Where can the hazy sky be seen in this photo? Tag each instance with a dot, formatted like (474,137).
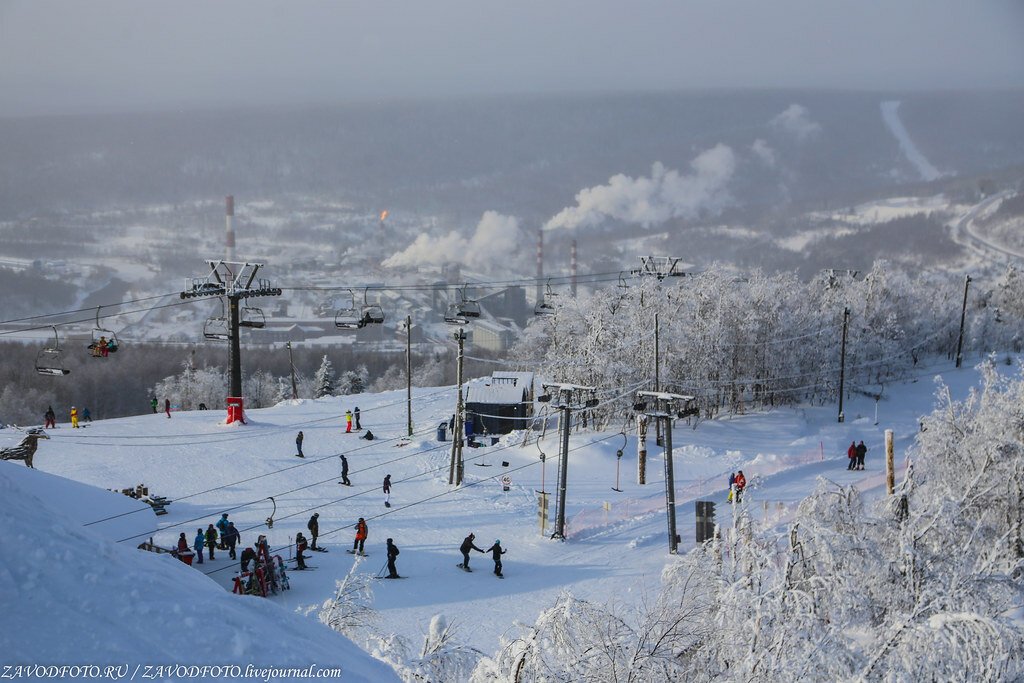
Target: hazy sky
(85,55)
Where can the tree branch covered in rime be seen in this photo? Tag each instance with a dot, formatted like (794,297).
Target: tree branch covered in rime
(922,585)
(761,341)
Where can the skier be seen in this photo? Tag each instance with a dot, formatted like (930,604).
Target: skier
(86,416)
(392,556)
(298,445)
(355,413)
(862,450)
(300,545)
(211,539)
(344,471)
(153,404)
(741,483)
(732,482)
(222,528)
(51,418)
(496,553)
(348,421)
(466,546)
(230,538)
(314,530)
(74,417)
(361,533)
(387,491)
(167,407)
(198,544)
(851,453)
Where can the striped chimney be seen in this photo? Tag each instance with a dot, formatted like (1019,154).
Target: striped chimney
(229,208)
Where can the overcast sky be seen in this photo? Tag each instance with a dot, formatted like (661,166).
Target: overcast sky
(87,55)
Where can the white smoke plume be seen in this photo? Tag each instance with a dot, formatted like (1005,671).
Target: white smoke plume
(495,238)
(665,195)
(796,121)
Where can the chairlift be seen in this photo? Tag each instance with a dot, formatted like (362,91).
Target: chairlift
(468,308)
(218,328)
(252,317)
(350,318)
(453,316)
(104,341)
(371,313)
(545,305)
(50,360)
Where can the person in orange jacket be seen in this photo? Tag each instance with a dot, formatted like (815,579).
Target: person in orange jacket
(741,483)
(851,453)
(361,533)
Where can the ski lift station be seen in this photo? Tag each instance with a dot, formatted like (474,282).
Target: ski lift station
(500,403)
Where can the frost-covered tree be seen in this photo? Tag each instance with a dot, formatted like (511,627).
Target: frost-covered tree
(324,379)
(193,386)
(353,381)
(260,389)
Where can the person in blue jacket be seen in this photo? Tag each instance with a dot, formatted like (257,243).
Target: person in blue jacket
(198,545)
(222,527)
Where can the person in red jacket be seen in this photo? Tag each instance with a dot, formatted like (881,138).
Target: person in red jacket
(851,453)
(741,483)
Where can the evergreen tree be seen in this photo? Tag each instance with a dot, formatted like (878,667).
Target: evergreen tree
(324,379)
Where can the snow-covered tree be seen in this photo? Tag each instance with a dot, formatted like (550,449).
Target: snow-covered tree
(324,379)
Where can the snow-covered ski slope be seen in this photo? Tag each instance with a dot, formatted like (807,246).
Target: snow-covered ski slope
(617,543)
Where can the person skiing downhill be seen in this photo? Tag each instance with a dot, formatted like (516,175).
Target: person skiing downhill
(392,556)
(467,545)
(344,471)
(496,553)
(851,453)
(348,421)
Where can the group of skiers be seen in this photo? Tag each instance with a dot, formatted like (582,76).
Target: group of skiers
(222,536)
(154,404)
(856,453)
(349,415)
(50,417)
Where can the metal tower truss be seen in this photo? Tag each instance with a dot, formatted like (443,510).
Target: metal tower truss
(229,278)
(660,267)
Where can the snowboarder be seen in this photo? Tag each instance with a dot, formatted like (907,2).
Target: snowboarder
(222,528)
(862,450)
(167,407)
(86,416)
(467,545)
(344,471)
(231,537)
(298,445)
(314,530)
(741,483)
(368,435)
(361,533)
(392,556)
(355,414)
(153,404)
(300,545)
(496,553)
(74,417)
(211,539)
(387,491)
(851,453)
(51,418)
(198,544)
(348,421)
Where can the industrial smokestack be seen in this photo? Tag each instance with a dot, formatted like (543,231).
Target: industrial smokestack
(229,209)
(572,266)
(540,265)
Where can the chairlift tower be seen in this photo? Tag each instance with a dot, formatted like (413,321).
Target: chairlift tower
(235,281)
(660,267)
(566,398)
(665,406)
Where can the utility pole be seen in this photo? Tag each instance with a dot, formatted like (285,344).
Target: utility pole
(566,393)
(295,387)
(657,373)
(963,319)
(236,281)
(842,363)
(408,371)
(455,470)
(665,406)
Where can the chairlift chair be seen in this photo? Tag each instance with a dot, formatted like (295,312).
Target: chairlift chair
(371,313)
(108,337)
(468,308)
(453,316)
(350,318)
(217,328)
(50,360)
(252,317)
